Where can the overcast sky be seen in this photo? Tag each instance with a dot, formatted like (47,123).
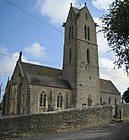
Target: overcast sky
(35,27)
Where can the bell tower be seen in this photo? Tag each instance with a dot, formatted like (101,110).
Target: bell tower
(80,63)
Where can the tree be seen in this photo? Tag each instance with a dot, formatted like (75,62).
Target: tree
(0,106)
(115,26)
(126,96)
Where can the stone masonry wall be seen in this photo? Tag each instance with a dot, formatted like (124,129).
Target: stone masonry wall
(122,111)
(54,122)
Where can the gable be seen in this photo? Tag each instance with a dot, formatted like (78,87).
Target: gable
(79,12)
(86,13)
(72,14)
(17,73)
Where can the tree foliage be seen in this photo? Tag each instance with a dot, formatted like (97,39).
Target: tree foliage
(115,26)
(126,96)
(0,106)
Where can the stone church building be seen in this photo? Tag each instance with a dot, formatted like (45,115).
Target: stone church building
(35,89)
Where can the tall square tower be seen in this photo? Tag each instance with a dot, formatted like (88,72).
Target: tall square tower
(80,63)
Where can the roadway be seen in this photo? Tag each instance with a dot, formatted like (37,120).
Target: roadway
(118,131)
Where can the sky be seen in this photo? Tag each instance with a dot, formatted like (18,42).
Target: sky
(35,28)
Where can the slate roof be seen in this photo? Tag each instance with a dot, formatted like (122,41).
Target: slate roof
(107,86)
(46,76)
(40,70)
(48,81)
(41,75)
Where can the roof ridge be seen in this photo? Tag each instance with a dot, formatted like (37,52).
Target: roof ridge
(38,65)
(104,79)
(48,77)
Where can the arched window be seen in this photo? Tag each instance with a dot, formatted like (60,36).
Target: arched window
(88,56)
(86,16)
(115,100)
(41,100)
(71,32)
(88,33)
(109,100)
(85,31)
(70,55)
(44,100)
(59,100)
(89,101)
(101,101)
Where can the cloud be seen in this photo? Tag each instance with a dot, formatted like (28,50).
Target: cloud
(102,4)
(8,60)
(117,76)
(55,10)
(101,40)
(7,64)
(107,71)
(106,62)
(35,50)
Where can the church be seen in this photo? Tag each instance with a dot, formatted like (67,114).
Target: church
(35,89)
